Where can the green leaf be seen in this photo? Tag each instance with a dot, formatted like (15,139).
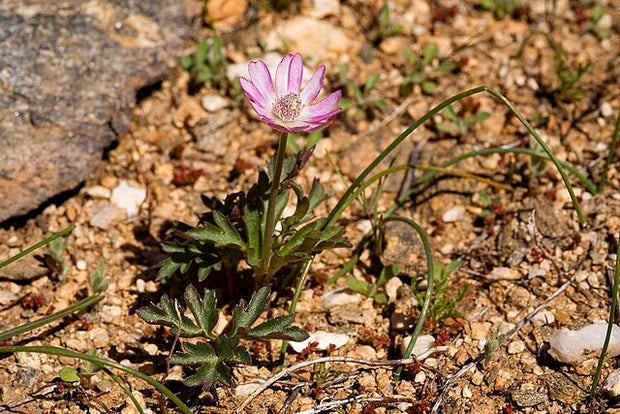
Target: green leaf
(252,222)
(228,351)
(167,269)
(445,66)
(244,315)
(222,234)
(379,103)
(204,310)
(201,51)
(371,80)
(278,328)
(297,239)
(357,285)
(381,298)
(429,87)
(445,128)
(430,52)
(97,280)
(167,313)
(478,117)
(187,62)
(68,374)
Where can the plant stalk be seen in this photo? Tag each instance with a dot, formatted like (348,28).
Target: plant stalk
(262,277)
(610,325)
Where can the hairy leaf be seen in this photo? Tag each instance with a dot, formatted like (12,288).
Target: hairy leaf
(244,315)
(278,328)
(204,309)
(169,313)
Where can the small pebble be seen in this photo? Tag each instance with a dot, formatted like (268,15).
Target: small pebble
(213,103)
(99,191)
(606,109)
(516,347)
(612,384)
(544,317)
(423,344)
(456,213)
(81,264)
(504,273)
(574,347)
(323,339)
(128,197)
(341,296)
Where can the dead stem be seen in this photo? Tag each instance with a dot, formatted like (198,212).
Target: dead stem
(343,360)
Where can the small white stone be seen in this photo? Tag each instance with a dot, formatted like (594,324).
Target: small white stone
(140,285)
(573,347)
(323,339)
(544,317)
(128,197)
(423,344)
(391,288)
(606,109)
(612,384)
(99,191)
(81,264)
(151,349)
(341,296)
(420,377)
(213,103)
(466,393)
(456,213)
(503,273)
(516,347)
(245,390)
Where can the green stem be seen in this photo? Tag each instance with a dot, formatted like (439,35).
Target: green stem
(343,203)
(36,246)
(271,209)
(84,303)
(487,151)
(52,350)
(612,317)
(125,389)
(610,154)
(545,147)
(302,280)
(430,277)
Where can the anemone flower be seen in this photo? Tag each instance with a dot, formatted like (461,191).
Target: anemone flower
(285,106)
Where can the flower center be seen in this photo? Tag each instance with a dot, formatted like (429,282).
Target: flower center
(287,107)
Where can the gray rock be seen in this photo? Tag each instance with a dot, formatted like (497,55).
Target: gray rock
(69,72)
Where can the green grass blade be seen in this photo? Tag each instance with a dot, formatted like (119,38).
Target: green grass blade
(36,246)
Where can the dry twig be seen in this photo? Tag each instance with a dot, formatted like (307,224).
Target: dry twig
(344,360)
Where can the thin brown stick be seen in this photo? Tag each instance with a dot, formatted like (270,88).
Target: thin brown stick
(344,360)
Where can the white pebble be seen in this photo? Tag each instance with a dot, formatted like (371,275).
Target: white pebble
(99,191)
(456,213)
(573,347)
(423,344)
(213,103)
(323,339)
(341,296)
(606,109)
(81,264)
(128,197)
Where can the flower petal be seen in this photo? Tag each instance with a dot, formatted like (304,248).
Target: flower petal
(323,107)
(259,109)
(261,78)
(252,92)
(313,87)
(323,117)
(282,74)
(295,74)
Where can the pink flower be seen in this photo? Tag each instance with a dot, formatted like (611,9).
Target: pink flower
(286,107)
